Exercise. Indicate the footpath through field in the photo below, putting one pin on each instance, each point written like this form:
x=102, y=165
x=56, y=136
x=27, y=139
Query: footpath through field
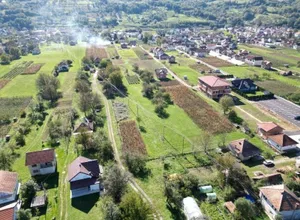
x=111, y=135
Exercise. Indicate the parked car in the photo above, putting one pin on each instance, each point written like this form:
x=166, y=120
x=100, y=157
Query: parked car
x=268, y=163
x=297, y=117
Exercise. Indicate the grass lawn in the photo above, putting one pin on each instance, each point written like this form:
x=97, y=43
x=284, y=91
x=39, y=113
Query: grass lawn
x=182, y=71
x=127, y=54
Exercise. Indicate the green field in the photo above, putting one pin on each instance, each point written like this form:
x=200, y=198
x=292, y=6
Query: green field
x=182, y=71
x=127, y=54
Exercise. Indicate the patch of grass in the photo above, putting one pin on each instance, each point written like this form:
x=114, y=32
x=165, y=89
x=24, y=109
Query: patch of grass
x=277, y=87
x=127, y=54
x=182, y=71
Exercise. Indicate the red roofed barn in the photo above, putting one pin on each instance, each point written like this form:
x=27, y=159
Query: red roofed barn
x=214, y=87
x=41, y=162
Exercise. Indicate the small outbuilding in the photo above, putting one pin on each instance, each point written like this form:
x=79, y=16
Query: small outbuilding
x=191, y=209
x=206, y=189
x=211, y=197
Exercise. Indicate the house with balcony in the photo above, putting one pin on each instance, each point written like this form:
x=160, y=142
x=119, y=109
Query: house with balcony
x=279, y=200
x=9, y=187
x=41, y=162
x=83, y=176
x=214, y=87
x=282, y=142
x=254, y=60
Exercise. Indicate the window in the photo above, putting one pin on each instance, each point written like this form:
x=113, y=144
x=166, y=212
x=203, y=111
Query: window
x=36, y=171
x=34, y=165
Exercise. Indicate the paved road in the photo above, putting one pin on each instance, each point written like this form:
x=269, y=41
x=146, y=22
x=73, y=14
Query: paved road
x=283, y=108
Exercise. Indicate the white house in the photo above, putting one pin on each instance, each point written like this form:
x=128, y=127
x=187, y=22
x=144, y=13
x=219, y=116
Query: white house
x=282, y=142
x=254, y=60
x=41, y=162
x=83, y=175
x=9, y=186
x=191, y=209
x=279, y=200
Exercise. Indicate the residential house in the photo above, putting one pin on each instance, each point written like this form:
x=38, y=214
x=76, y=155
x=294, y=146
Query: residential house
x=191, y=209
x=279, y=200
x=83, y=175
x=266, y=129
x=63, y=67
x=41, y=162
x=282, y=142
x=86, y=126
x=9, y=186
x=124, y=45
x=266, y=65
x=161, y=73
x=243, y=149
x=254, y=60
x=9, y=212
x=244, y=85
x=213, y=86
x=295, y=135
x=172, y=59
x=132, y=43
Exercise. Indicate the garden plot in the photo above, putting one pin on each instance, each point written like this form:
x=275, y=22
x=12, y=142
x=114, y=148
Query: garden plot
x=96, y=52
x=143, y=55
x=132, y=79
x=132, y=141
x=277, y=87
x=214, y=61
x=199, y=111
x=17, y=70
x=33, y=69
x=200, y=67
x=120, y=110
x=3, y=82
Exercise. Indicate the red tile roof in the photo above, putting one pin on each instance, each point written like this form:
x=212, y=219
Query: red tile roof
x=244, y=147
x=7, y=214
x=283, y=140
x=85, y=166
x=8, y=182
x=38, y=157
x=268, y=126
x=230, y=206
x=281, y=197
x=213, y=81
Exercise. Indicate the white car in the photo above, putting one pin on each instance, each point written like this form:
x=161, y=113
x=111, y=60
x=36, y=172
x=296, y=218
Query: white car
x=268, y=163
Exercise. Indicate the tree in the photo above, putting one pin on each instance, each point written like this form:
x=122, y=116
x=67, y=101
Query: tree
x=24, y=214
x=48, y=86
x=205, y=140
x=82, y=86
x=5, y=160
x=85, y=102
x=116, y=79
x=244, y=209
x=55, y=130
x=28, y=191
x=115, y=182
x=103, y=63
x=15, y=53
x=5, y=60
x=133, y=207
x=111, y=210
x=136, y=164
x=226, y=103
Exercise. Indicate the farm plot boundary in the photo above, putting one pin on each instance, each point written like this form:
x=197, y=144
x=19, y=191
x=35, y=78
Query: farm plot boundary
x=33, y=69
x=17, y=70
x=214, y=61
x=199, y=111
x=96, y=52
x=132, y=141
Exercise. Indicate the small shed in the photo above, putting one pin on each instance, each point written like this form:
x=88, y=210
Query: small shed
x=211, y=197
x=230, y=206
x=206, y=189
x=39, y=201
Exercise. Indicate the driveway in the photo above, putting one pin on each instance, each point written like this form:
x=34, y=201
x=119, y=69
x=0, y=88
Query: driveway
x=283, y=108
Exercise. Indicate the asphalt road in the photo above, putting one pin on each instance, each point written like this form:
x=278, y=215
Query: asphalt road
x=283, y=108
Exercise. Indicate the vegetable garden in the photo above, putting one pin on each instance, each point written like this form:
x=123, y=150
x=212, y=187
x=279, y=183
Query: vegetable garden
x=120, y=110
x=132, y=141
x=199, y=111
x=142, y=54
x=32, y=69
x=17, y=70
x=214, y=61
x=3, y=82
x=96, y=52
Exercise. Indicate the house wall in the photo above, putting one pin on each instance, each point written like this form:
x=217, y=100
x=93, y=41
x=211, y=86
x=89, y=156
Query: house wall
x=215, y=92
x=267, y=206
x=280, y=148
x=85, y=191
x=80, y=176
x=39, y=170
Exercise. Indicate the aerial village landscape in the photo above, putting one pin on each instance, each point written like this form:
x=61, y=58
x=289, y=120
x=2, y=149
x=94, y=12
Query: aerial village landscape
x=140, y=110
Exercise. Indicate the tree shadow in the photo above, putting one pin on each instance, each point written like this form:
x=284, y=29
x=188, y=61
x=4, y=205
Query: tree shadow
x=49, y=182
x=176, y=213
x=85, y=203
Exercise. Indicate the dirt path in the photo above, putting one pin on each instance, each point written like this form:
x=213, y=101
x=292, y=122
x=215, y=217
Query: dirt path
x=132, y=182
x=247, y=113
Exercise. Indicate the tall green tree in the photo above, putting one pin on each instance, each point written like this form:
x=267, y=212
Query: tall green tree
x=48, y=86
x=133, y=207
x=244, y=209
